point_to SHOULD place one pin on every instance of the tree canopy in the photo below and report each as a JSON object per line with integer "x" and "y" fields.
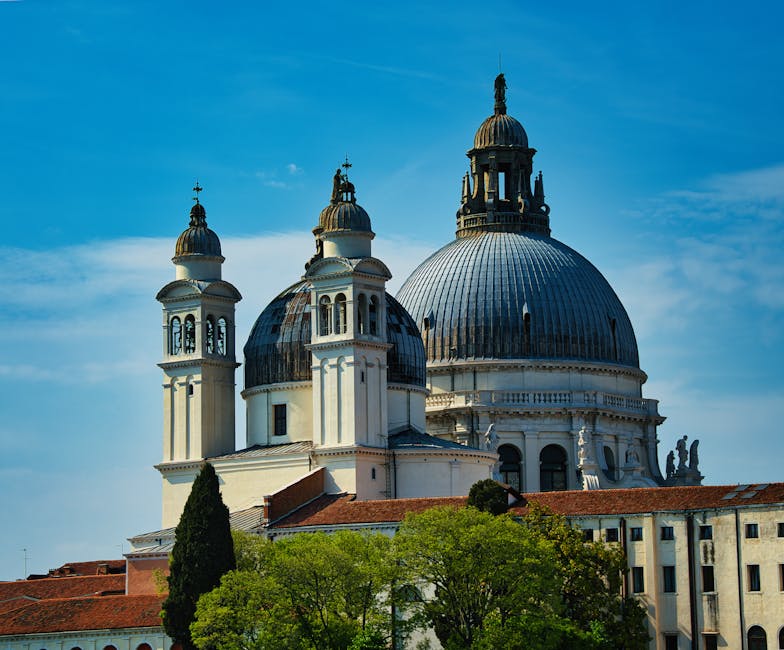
{"x": 203, "y": 552}
{"x": 488, "y": 496}
{"x": 478, "y": 580}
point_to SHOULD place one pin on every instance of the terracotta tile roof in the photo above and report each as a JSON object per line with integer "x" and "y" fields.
{"x": 76, "y": 614}
{"x": 335, "y": 509}
{"x": 73, "y": 587}
{"x": 330, "y": 510}
{"x": 666, "y": 499}
{"x": 91, "y": 568}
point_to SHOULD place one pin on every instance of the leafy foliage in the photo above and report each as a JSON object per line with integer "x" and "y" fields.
{"x": 306, "y": 591}
{"x": 488, "y": 496}
{"x": 203, "y": 552}
{"x": 476, "y": 565}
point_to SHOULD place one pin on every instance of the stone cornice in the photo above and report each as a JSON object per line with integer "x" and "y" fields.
{"x": 407, "y": 387}
{"x": 268, "y": 388}
{"x": 197, "y": 362}
{"x": 344, "y": 343}
{"x": 448, "y": 367}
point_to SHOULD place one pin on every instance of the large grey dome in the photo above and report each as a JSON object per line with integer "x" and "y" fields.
{"x": 276, "y": 352}
{"x": 506, "y": 295}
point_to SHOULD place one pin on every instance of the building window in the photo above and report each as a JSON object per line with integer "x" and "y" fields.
{"x": 706, "y": 532}
{"x": 757, "y": 638}
{"x": 667, "y": 533}
{"x": 638, "y": 579}
{"x": 222, "y": 344}
{"x": 143, "y": 646}
{"x": 280, "y": 419}
{"x": 325, "y": 317}
{"x": 510, "y": 465}
{"x": 373, "y": 473}
{"x": 668, "y": 573}
{"x": 781, "y": 578}
{"x": 373, "y": 316}
{"x": 753, "y": 573}
{"x": 175, "y": 334}
{"x": 752, "y": 531}
{"x": 635, "y": 534}
{"x": 781, "y": 638}
{"x": 611, "y": 535}
{"x": 189, "y": 338}
{"x": 708, "y": 582}
{"x": 190, "y": 389}
{"x": 710, "y": 641}
{"x": 209, "y": 335}
{"x": 780, "y": 527}
{"x": 552, "y": 468}
{"x": 587, "y": 534}
{"x": 341, "y": 326}
{"x": 362, "y": 313}
{"x": 671, "y": 642}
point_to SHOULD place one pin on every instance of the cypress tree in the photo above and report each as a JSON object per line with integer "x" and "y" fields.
{"x": 203, "y": 552}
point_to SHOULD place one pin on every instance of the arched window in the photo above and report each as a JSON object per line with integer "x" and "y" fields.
{"x": 189, "y": 338}
{"x": 340, "y": 314}
{"x": 325, "y": 317}
{"x": 175, "y": 336}
{"x": 221, "y": 342}
{"x": 209, "y": 335}
{"x": 781, "y": 638}
{"x": 510, "y": 465}
{"x": 109, "y": 647}
{"x": 362, "y": 313}
{"x": 609, "y": 459}
{"x": 526, "y": 331}
{"x": 373, "y": 316}
{"x": 143, "y": 646}
{"x": 552, "y": 468}
{"x": 758, "y": 640}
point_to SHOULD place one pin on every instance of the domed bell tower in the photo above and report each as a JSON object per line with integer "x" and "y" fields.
{"x": 348, "y": 328}
{"x": 497, "y": 193}
{"x": 198, "y": 348}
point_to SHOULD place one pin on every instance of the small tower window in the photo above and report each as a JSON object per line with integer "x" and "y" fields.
{"x": 280, "y": 420}
{"x": 209, "y": 335}
{"x": 222, "y": 333}
{"x": 175, "y": 336}
{"x": 373, "y": 316}
{"x": 189, "y": 345}
{"x": 609, "y": 460}
{"x": 340, "y": 314}
{"x": 361, "y": 313}
{"x": 373, "y": 473}
{"x": 325, "y": 320}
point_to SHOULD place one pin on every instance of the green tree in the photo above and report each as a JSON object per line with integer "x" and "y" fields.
{"x": 311, "y": 590}
{"x": 488, "y": 496}
{"x": 203, "y": 552}
{"x": 590, "y": 576}
{"x": 475, "y": 566}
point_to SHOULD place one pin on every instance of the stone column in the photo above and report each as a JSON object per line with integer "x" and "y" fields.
{"x": 530, "y": 482}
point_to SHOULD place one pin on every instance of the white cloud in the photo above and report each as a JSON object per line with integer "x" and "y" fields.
{"x": 293, "y": 169}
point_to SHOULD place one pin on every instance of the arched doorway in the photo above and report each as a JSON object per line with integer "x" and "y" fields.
{"x": 510, "y": 459}
{"x": 552, "y": 468}
{"x": 757, "y": 638}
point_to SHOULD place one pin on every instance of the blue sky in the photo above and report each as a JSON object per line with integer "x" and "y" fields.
{"x": 659, "y": 134}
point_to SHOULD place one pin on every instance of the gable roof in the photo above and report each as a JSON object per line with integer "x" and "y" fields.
{"x": 77, "y": 614}
{"x": 335, "y": 510}
{"x": 71, "y": 587}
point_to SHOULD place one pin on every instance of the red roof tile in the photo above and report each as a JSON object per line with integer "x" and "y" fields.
{"x": 76, "y": 614}
{"x": 91, "y": 568}
{"x": 330, "y": 510}
{"x": 74, "y": 587}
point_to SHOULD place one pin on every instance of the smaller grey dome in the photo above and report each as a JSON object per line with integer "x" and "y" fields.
{"x": 344, "y": 215}
{"x": 276, "y": 352}
{"x": 198, "y": 239}
{"x": 500, "y": 130}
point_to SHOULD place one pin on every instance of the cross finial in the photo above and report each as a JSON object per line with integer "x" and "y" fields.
{"x": 197, "y": 188}
{"x": 347, "y": 165}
